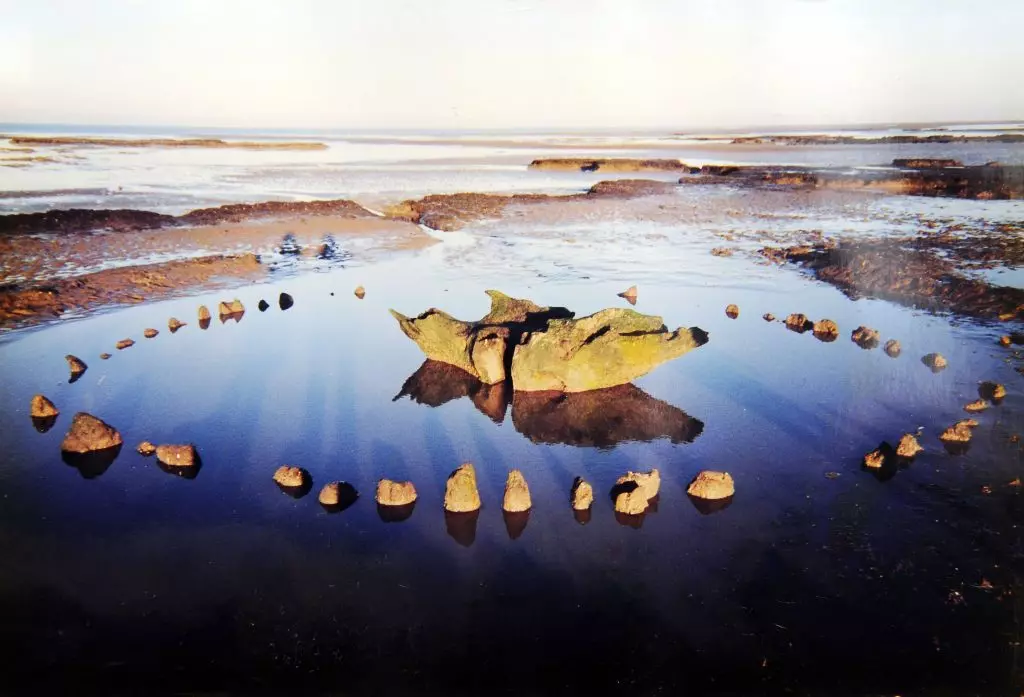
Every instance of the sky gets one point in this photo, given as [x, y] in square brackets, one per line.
[478, 64]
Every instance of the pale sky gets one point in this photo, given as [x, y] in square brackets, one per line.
[675, 64]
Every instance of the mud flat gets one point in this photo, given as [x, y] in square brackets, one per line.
[47, 141]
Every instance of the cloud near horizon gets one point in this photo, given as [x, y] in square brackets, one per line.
[510, 63]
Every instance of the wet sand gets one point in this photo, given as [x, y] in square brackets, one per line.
[49, 141]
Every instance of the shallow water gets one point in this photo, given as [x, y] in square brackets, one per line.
[819, 578]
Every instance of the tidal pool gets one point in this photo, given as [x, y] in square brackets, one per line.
[820, 577]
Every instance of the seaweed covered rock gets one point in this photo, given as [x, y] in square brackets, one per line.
[611, 347]
[826, 330]
[546, 348]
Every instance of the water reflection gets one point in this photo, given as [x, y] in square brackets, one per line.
[395, 514]
[183, 472]
[515, 523]
[462, 526]
[43, 423]
[597, 418]
[92, 464]
[709, 506]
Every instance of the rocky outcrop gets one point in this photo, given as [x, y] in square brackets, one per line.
[149, 333]
[263, 306]
[925, 163]
[174, 324]
[976, 406]
[229, 309]
[930, 272]
[892, 348]
[292, 477]
[865, 337]
[145, 448]
[935, 361]
[768, 317]
[616, 164]
[89, 434]
[360, 292]
[76, 366]
[517, 493]
[611, 347]
[960, 432]
[992, 391]
[42, 408]
[826, 330]
[633, 491]
[799, 323]
[284, 301]
[908, 447]
[712, 485]
[876, 458]
[629, 295]
[337, 496]
[732, 311]
[391, 493]
[104, 356]
[204, 313]
[123, 344]
[582, 495]
[177, 455]
[461, 494]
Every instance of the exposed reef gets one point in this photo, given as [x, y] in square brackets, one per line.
[611, 164]
[977, 182]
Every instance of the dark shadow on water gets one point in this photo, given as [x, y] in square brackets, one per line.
[462, 526]
[630, 521]
[597, 418]
[347, 496]
[709, 506]
[436, 383]
[43, 423]
[183, 472]
[237, 316]
[204, 323]
[515, 523]
[75, 377]
[92, 465]
[297, 492]
[956, 448]
[395, 514]
[583, 517]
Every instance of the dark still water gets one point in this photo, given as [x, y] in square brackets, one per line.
[819, 578]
